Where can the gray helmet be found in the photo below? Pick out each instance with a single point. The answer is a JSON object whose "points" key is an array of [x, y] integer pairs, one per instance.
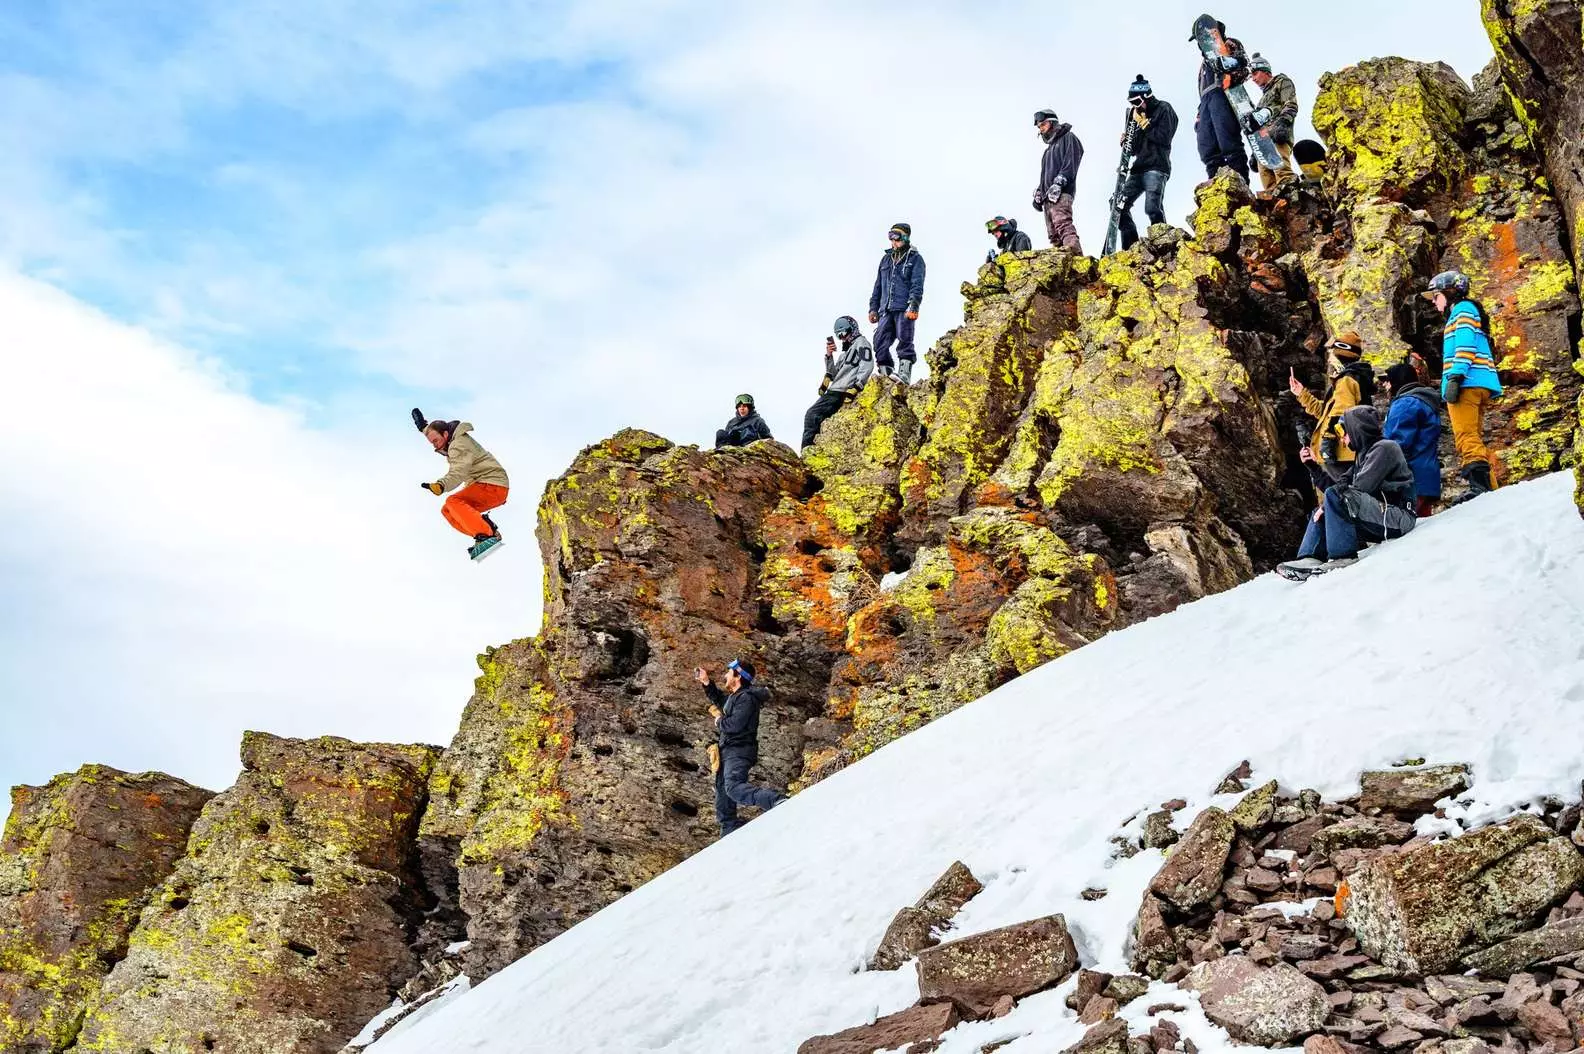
{"points": [[1455, 284], [846, 326], [1041, 116]]}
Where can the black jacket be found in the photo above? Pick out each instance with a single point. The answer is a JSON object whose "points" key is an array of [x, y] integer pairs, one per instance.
{"points": [[740, 431], [1061, 158], [1152, 145], [1378, 486], [739, 721], [1013, 240]]}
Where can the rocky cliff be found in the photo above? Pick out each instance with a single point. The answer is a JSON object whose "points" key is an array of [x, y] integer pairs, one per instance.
{"points": [[1099, 442]]}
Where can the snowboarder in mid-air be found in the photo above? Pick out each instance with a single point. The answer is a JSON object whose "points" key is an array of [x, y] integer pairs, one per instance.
{"points": [[1058, 180], [474, 469], [736, 749], [1147, 140], [1278, 109], [845, 375], [746, 426], [1007, 237], [894, 303]]}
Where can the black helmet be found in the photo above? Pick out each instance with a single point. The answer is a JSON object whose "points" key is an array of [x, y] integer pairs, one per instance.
{"points": [[1455, 284], [846, 326], [1041, 116], [745, 400]]}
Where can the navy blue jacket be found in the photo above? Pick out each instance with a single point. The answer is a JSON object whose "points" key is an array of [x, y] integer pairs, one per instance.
{"points": [[1414, 423], [739, 721], [899, 284]]}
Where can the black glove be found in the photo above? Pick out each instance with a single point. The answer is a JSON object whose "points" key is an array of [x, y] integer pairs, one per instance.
{"points": [[418, 419], [990, 256], [1454, 388]]}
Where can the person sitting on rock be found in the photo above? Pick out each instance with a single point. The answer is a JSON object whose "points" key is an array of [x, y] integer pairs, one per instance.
{"points": [[736, 714], [1008, 238], [845, 376], [1352, 384], [1373, 501], [746, 426], [1468, 374], [1414, 423], [483, 482]]}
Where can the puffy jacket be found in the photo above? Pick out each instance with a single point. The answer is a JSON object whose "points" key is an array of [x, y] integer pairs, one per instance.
{"points": [[740, 431], [1062, 157], [899, 283], [1378, 487], [1013, 240], [1466, 350], [852, 368], [1152, 143], [468, 462], [1346, 393], [1280, 97], [1414, 423], [738, 728]]}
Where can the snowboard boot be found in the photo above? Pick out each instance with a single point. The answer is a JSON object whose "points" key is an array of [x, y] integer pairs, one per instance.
{"points": [[1478, 476], [483, 545], [884, 371], [486, 517], [904, 371]]}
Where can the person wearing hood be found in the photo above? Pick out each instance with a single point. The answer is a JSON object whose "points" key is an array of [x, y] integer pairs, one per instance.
{"points": [[1352, 384], [474, 469], [1414, 423], [1008, 239], [1216, 126], [736, 748], [1373, 501], [1469, 382], [1058, 180], [845, 375], [746, 426], [1155, 124], [894, 303], [1278, 109]]}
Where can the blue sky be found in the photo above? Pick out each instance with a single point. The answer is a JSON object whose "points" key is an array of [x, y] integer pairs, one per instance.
{"points": [[239, 239]]}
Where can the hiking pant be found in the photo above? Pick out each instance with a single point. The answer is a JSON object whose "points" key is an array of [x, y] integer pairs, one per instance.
{"points": [[1151, 184], [1059, 226], [1337, 534], [894, 326], [1220, 138], [465, 509], [823, 408], [1271, 178], [1468, 421], [733, 789]]}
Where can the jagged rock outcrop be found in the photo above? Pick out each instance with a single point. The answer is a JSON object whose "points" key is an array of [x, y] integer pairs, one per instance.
{"points": [[287, 924], [77, 862]]}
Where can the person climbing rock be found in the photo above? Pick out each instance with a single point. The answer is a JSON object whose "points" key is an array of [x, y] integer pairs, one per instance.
{"points": [[1156, 123], [1058, 180], [1216, 125], [746, 426], [845, 375], [1468, 374], [1008, 239], [474, 469], [1414, 423], [1278, 109], [1373, 501], [894, 303], [1352, 383], [736, 714]]}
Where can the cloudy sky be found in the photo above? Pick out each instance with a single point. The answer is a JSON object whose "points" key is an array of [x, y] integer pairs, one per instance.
{"points": [[240, 238]]}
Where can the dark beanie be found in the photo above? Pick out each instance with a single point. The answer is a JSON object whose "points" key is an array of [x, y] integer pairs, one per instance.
{"points": [[1140, 86], [903, 229], [1401, 376]]}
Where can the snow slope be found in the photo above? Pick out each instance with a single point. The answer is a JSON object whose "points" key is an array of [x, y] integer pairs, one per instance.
{"points": [[1462, 642]]}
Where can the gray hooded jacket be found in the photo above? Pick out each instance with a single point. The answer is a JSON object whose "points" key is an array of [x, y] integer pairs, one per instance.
{"points": [[851, 369]]}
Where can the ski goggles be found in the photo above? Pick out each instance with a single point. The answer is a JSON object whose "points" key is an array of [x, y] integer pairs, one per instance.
{"points": [[897, 236], [736, 667], [996, 225], [1137, 100]]}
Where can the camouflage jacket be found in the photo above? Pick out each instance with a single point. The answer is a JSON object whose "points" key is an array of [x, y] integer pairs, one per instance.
{"points": [[1281, 98]]}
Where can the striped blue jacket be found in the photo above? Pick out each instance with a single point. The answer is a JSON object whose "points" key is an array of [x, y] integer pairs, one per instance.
{"points": [[1466, 351]]}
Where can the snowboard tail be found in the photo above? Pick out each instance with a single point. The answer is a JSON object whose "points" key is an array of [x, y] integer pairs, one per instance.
{"points": [[1212, 45], [1124, 167]]}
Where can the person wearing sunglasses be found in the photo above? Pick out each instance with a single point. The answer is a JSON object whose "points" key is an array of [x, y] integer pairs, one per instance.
{"points": [[1352, 384], [894, 303], [1008, 238], [1155, 125], [736, 749]]}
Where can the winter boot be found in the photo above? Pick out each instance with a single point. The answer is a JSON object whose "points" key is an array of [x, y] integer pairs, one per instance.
{"points": [[1478, 476], [483, 545], [905, 370], [486, 517]]}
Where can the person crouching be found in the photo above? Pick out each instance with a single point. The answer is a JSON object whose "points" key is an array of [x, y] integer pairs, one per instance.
{"points": [[474, 469]]}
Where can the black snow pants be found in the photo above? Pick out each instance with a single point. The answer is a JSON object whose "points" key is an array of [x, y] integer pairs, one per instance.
{"points": [[1220, 138]]}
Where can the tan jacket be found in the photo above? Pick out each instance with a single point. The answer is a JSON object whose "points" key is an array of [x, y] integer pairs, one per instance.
{"points": [[470, 463], [1344, 395]]}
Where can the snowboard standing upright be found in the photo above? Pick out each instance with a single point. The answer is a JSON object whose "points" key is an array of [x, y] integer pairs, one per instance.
{"points": [[1118, 201], [1213, 45]]}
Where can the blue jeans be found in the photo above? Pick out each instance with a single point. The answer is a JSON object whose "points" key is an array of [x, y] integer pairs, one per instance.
{"points": [[894, 326], [1151, 184], [1336, 536], [733, 789], [1220, 138]]}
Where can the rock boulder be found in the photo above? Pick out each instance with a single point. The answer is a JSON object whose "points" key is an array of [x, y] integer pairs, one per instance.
{"points": [[1271, 1006], [1012, 961]]}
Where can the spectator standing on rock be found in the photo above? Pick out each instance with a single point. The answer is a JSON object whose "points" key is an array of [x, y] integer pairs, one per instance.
{"points": [[1156, 123], [1277, 111], [1468, 374], [845, 375], [1372, 501], [1216, 126], [1058, 180], [894, 303], [1008, 239], [1414, 423], [746, 426], [736, 714], [1353, 383]]}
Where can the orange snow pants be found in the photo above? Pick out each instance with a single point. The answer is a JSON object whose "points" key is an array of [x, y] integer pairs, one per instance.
{"points": [[465, 509]]}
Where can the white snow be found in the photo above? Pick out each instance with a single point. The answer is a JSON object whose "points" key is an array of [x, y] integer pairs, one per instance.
{"points": [[458, 948], [1462, 642], [891, 580]]}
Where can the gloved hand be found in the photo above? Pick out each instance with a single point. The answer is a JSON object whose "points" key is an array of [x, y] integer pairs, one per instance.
{"points": [[874, 317], [1139, 119], [990, 256], [1056, 188], [1454, 388], [1229, 62], [1039, 200], [1261, 116], [824, 384], [912, 314], [714, 758], [433, 488], [418, 419]]}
